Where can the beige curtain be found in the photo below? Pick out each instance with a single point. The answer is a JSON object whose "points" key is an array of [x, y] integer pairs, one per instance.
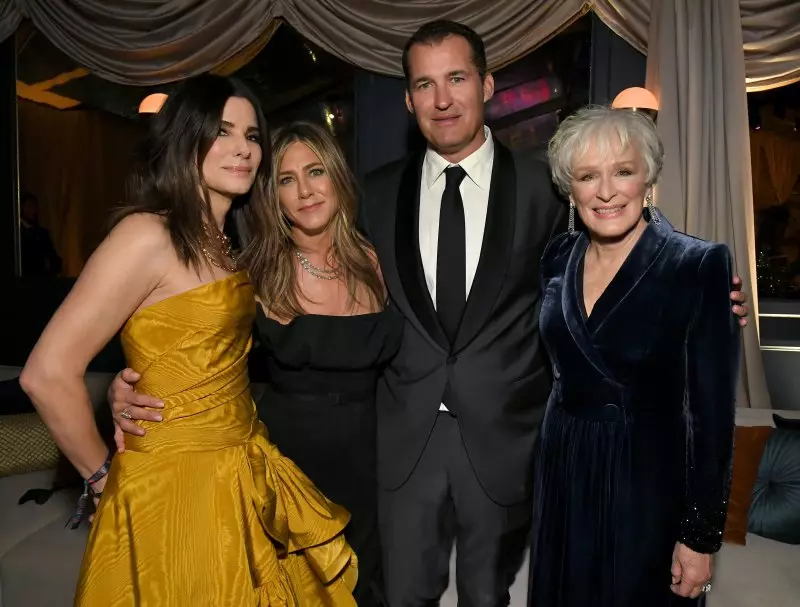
{"points": [[10, 18], [695, 67], [372, 34], [629, 19], [145, 42], [771, 34]]}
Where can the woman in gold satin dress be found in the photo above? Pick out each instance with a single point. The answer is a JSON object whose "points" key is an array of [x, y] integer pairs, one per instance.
{"points": [[203, 510]]}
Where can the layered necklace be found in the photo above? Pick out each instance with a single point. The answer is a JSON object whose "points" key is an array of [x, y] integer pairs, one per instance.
{"points": [[322, 273], [223, 255]]}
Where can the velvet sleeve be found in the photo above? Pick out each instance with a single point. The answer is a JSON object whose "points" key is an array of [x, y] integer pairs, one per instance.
{"points": [[712, 362]]}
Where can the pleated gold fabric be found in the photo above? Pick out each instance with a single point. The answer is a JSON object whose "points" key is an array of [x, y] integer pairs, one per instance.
{"points": [[204, 510]]}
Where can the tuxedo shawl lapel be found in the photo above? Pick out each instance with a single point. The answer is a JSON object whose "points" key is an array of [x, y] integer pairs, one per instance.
{"points": [[409, 261]]}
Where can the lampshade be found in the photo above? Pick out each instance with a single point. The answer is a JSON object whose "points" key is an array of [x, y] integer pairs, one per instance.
{"points": [[152, 103], [637, 99]]}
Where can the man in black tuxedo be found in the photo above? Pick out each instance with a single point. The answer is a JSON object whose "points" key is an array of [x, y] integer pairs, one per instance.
{"points": [[459, 230]]}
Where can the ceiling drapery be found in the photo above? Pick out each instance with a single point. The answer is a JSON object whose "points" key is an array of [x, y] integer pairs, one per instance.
{"points": [[146, 43]]}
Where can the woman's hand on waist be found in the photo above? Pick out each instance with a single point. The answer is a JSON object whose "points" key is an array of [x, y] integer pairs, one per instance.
{"points": [[129, 406]]}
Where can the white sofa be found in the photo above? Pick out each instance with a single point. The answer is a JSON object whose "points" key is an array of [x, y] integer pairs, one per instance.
{"points": [[40, 558]]}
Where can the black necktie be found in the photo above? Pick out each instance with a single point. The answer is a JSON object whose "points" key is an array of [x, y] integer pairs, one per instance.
{"points": [[451, 256]]}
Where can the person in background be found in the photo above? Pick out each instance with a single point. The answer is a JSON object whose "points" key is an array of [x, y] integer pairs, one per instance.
{"points": [[39, 256]]}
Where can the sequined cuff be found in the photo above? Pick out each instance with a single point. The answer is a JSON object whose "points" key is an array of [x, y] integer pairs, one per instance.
{"points": [[702, 530]]}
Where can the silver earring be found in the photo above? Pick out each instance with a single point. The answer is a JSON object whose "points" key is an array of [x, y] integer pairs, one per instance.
{"points": [[571, 224], [652, 209]]}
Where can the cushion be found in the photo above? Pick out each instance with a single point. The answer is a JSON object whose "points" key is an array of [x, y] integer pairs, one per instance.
{"points": [[775, 509], [25, 445], [749, 446], [785, 422]]}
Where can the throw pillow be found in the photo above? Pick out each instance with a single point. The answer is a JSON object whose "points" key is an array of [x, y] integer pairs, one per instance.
{"points": [[775, 509], [748, 448], [785, 422]]}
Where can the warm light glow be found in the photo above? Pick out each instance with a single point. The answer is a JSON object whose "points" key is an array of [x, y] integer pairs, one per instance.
{"points": [[152, 103], [635, 98]]}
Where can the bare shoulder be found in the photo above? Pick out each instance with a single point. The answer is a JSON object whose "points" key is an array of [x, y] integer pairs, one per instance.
{"points": [[143, 229], [138, 243]]}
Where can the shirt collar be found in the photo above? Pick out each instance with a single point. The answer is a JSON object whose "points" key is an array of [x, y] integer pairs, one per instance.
{"points": [[478, 165]]}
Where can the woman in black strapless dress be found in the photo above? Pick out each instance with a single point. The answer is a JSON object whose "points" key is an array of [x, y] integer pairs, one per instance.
{"points": [[319, 406], [325, 334]]}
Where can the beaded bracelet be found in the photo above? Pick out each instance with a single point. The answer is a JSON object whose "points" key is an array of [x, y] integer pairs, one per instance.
{"points": [[83, 501]]}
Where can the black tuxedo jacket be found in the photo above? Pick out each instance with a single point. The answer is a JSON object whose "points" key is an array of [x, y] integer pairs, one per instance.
{"points": [[496, 372]]}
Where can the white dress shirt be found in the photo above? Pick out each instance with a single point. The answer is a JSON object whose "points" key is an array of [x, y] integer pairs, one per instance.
{"points": [[475, 196]]}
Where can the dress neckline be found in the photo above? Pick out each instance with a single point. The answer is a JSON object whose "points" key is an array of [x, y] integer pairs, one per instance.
{"points": [[318, 316]]}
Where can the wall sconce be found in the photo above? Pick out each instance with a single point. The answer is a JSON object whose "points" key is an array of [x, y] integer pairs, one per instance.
{"points": [[637, 99], [152, 103]]}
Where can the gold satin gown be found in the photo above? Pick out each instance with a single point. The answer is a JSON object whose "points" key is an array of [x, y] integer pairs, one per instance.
{"points": [[204, 510]]}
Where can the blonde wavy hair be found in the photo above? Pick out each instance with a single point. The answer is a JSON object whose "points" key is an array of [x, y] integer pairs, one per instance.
{"points": [[271, 261]]}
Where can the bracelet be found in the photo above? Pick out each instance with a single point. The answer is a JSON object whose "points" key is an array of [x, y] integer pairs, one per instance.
{"points": [[83, 501]]}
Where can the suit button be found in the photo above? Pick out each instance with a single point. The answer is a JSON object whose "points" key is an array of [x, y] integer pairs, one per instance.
{"points": [[451, 360], [612, 406]]}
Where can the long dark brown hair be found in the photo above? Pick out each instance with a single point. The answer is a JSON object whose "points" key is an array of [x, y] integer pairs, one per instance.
{"points": [[271, 260], [168, 180]]}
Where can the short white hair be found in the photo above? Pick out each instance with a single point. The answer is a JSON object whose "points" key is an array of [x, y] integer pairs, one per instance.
{"points": [[605, 127]]}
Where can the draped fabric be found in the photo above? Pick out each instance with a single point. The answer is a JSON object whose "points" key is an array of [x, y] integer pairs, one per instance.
{"points": [[10, 18], [771, 34], [706, 186], [144, 42]]}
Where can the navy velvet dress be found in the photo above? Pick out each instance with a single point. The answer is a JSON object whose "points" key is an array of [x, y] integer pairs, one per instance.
{"points": [[637, 442]]}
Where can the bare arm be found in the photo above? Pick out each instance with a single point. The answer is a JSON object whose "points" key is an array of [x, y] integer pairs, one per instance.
{"points": [[124, 270]]}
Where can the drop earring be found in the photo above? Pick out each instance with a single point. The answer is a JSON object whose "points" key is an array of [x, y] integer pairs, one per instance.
{"points": [[651, 208], [571, 224]]}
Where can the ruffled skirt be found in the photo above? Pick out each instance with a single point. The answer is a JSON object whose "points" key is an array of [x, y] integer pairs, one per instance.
{"points": [[237, 526]]}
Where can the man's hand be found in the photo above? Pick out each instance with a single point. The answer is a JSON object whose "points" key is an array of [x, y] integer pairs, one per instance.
{"points": [[739, 297], [127, 406], [690, 571]]}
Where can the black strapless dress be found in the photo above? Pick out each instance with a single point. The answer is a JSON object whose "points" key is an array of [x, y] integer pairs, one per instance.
{"points": [[319, 409]]}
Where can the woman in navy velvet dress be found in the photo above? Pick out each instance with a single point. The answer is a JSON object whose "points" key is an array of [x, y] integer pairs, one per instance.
{"points": [[633, 470]]}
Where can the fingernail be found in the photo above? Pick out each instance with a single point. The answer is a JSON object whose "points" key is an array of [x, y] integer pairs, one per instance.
{"points": [[159, 418]]}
